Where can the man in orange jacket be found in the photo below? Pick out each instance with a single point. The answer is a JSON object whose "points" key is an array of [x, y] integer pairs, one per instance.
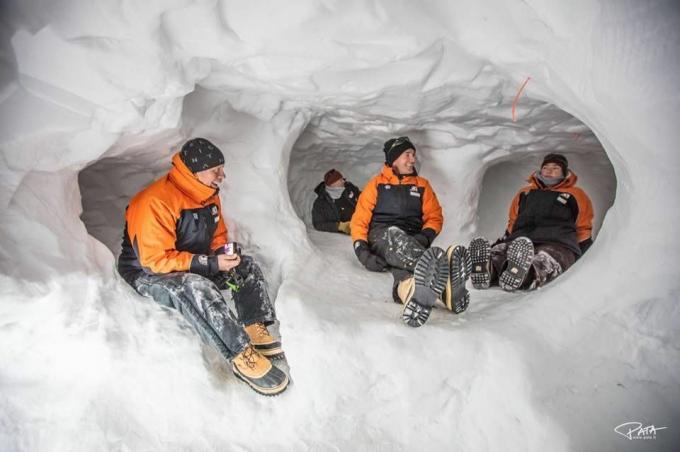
{"points": [[396, 219], [175, 250], [550, 226]]}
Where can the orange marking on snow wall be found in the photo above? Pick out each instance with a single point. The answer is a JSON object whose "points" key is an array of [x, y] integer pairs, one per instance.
{"points": [[514, 102]]}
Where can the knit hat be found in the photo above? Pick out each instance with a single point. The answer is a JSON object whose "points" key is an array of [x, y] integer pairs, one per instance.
{"points": [[557, 159], [394, 147], [331, 176], [199, 154]]}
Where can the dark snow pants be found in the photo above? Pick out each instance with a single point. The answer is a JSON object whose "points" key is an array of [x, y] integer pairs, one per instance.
{"points": [[202, 304], [400, 250], [550, 260]]}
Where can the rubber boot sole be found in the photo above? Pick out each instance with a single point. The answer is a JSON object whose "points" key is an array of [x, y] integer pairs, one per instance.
{"points": [[519, 256], [430, 274], [271, 351], [455, 296], [480, 255], [269, 391]]}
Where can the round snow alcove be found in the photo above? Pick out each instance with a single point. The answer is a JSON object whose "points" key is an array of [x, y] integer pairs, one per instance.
{"points": [[505, 176], [108, 184], [475, 163]]}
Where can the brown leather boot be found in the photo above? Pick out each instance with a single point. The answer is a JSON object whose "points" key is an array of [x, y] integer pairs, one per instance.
{"points": [[264, 342], [259, 373], [406, 288]]}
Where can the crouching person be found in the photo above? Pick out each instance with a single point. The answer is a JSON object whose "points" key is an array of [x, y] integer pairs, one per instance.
{"points": [[336, 199], [549, 227], [175, 250], [396, 219]]}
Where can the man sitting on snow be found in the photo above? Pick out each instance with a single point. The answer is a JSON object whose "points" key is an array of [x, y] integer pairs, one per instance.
{"points": [[550, 226], [335, 203], [175, 250], [396, 219]]}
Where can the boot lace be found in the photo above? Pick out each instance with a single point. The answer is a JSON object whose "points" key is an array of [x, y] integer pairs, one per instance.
{"points": [[249, 357], [261, 330]]}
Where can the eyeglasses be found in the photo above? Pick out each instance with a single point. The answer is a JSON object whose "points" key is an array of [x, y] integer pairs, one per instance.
{"points": [[399, 141]]}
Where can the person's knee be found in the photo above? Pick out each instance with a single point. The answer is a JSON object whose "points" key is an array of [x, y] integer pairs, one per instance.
{"points": [[196, 280], [247, 266]]}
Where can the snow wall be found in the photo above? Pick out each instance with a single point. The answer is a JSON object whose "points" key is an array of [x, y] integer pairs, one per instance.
{"points": [[95, 98]]}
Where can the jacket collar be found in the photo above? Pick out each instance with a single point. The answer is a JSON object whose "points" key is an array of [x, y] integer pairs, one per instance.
{"points": [[388, 173], [568, 182], [187, 183]]}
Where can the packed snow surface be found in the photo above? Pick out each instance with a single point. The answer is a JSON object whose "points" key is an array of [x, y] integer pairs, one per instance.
{"points": [[96, 96]]}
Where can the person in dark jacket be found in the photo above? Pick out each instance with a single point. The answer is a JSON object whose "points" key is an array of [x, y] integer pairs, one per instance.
{"points": [[335, 203], [396, 220], [549, 227], [175, 250]]}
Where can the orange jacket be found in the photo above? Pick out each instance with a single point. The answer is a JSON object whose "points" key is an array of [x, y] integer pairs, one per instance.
{"points": [[172, 222], [429, 214], [545, 215]]}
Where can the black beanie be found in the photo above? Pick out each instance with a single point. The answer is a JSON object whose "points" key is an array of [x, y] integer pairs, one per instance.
{"points": [[199, 154], [394, 147], [557, 159]]}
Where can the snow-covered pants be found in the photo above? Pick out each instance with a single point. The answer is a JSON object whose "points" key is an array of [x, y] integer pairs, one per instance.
{"points": [[550, 260], [400, 250], [202, 304]]}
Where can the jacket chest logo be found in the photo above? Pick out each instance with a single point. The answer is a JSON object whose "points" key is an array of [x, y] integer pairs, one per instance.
{"points": [[563, 198], [414, 192], [351, 195], [215, 213]]}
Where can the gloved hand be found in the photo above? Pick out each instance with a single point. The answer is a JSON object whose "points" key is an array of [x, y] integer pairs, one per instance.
{"points": [[584, 245], [425, 237], [371, 261], [343, 227], [422, 239], [501, 239]]}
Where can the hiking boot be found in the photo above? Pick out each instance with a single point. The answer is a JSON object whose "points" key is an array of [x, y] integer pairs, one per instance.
{"points": [[404, 290], [519, 256], [455, 296], [258, 372], [429, 275], [480, 262], [264, 342]]}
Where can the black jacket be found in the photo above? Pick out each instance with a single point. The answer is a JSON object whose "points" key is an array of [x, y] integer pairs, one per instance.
{"points": [[327, 213], [560, 214]]}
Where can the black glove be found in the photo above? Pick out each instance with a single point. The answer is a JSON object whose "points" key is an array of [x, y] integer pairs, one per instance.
{"points": [[371, 261], [584, 245], [425, 237], [501, 239]]}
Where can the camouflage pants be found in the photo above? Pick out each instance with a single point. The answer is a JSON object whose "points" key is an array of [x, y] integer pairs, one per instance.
{"points": [[550, 260]]}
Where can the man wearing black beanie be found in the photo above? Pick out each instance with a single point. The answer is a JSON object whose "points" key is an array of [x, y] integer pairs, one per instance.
{"points": [[550, 227], [396, 219], [175, 250]]}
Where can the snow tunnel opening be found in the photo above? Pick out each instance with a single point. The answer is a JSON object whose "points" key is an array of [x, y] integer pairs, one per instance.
{"points": [[108, 184], [476, 163], [503, 177]]}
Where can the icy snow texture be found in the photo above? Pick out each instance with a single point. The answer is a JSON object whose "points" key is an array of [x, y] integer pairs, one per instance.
{"points": [[287, 90]]}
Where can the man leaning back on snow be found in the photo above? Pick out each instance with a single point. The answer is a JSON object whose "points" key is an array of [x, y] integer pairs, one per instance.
{"points": [[549, 227]]}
